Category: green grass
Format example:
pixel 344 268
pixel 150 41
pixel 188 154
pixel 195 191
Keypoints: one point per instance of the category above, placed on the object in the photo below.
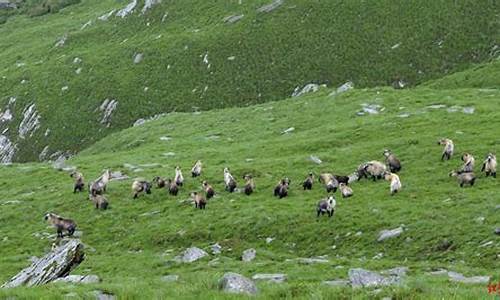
pixel 131 252
pixel 372 43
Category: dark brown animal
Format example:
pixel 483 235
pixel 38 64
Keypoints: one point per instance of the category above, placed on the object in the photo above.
pixel 209 191
pixel 172 187
pixel 160 182
pixel 249 185
pixel 199 200
pixel 61 224
pixel 79 181
pixel 308 182
pixel 281 190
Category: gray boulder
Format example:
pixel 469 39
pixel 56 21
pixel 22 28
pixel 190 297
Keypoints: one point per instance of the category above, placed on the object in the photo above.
pixel 270 7
pixel 457 277
pixel 248 255
pixel 276 278
pixel 233 19
pixel 365 278
pixel 85 279
pixel 191 255
pixel 388 234
pixel 237 284
pixel 170 278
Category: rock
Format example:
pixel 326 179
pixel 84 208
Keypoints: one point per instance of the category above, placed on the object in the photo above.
pixel 457 277
pixel 237 284
pixel 309 88
pixel 165 138
pixel 343 88
pixel 106 16
pixel 248 255
pixel 313 260
pixel 497 230
pixel 371 109
pixel 7 150
pixel 288 130
pixel 89 23
pixel 139 122
pixel 56 264
pixel 315 159
pixel 77 60
pixel 398 271
pixel 149 214
pixel 64 88
pixel 388 234
pixel 497 207
pixel 170 278
pixel 269 240
pixel 216 248
pixel 30 122
pixel 190 255
pixel 100 295
pixel 270 7
pixel 61 41
pixel 6 116
pixel 127 10
pixel 365 278
pixel 232 19
pixel 138 57
pixel 438 272
pixel 118 175
pixel 468 110
pixel 85 279
pixel 338 282
pixel 148 4
pixel 107 108
pixel 276 278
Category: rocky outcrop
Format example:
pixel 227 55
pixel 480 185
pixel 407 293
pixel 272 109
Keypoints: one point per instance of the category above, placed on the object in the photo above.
pixel 191 255
pixel 237 284
pixel 389 234
pixel 30 122
pixel 7 150
pixel 148 4
pixel 366 278
pixel 270 7
pixel 127 10
pixel 83 279
pixel 107 108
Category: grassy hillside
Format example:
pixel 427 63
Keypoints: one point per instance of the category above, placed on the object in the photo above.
pixel 131 245
pixel 193 60
pixel 486 76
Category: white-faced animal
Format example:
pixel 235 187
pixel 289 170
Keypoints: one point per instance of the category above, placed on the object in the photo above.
pixel 140 186
pixel 327 206
pixel 308 182
pixel 392 161
pixel 61 224
pixel 229 181
pixel 345 190
pixel 395 185
pixel 172 187
pixel 249 184
pixel 160 182
pixel 100 201
pixel 196 170
pixel 448 149
pixel 281 189
pixel 209 191
pixel 464 178
pixel 199 200
pixel 490 165
pixel 373 169
pixel 79 181
pixel 98 187
pixel 179 179
pixel 469 163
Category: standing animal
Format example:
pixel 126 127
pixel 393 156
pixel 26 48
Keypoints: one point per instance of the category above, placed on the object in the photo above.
pixel 469 163
pixel 139 186
pixel 179 179
pixel 281 190
pixel 330 182
pixel 98 187
pixel 79 181
pixel 490 165
pixel 395 182
pixel 373 169
pixel 209 191
pixel 342 179
pixel 172 187
pixel 345 190
pixel 464 178
pixel 61 224
pixel 196 170
pixel 199 200
pixel 308 182
pixel 327 205
pixel 249 185
pixel 160 182
pixel 229 181
pixel 392 161
pixel 100 201
pixel 449 147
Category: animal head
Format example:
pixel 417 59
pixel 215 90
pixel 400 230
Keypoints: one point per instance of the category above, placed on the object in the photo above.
pixel 194 194
pixel 491 156
pixel 72 174
pixel 247 177
pixel 453 173
pixel 147 187
pixel 177 169
pixel 311 174
pixel 226 170
pixel 49 216
pixel 286 181
pixel 204 183
pixel 442 141
pixel 342 185
pixel 387 152
pixel 331 200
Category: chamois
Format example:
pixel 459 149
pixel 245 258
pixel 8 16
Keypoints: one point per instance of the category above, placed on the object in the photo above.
pixel 281 190
pixel 208 190
pixel 345 190
pixel 98 187
pixel 79 181
pixel 160 182
pixel 469 162
pixel 249 185
pixel 229 181
pixel 395 182
pixel 374 169
pixel 179 179
pixel 330 182
pixel 392 161
pixel 449 147
pixel 199 200
pixel 464 178
pixel 196 170
pixel 172 187
pixel 490 165
pixel 326 205
pixel 100 201
pixel 308 182
pixel 139 186
pixel 61 224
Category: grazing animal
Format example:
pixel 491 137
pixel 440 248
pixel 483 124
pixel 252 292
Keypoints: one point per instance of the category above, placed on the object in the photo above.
pixel 79 181
pixel 490 165
pixel 395 182
pixel 139 186
pixel 249 185
pixel 100 201
pixel 330 182
pixel 160 182
pixel 345 190
pixel 229 181
pixel 373 169
pixel 464 178
pixel 179 179
pixel 209 191
pixel 199 200
pixel 469 163
pixel 98 187
pixel 172 187
pixel 327 205
pixel 449 147
pixel 392 161
pixel 308 182
pixel 61 224
pixel 281 190
pixel 196 170
pixel 342 179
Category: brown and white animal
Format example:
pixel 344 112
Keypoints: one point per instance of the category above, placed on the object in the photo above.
pixel 464 178
pixel 469 163
pixel 99 201
pixel 449 147
pixel 249 184
pixel 229 181
pixel 61 224
pixel 345 190
pixel 196 170
pixel 490 165
pixel 199 200
pixel 308 182
pixel 209 191
pixel 172 187
pixel 139 186
pixel 281 190
pixel 179 179
pixel 327 205
pixel 373 169
pixel 98 187
pixel 160 182
pixel 395 182
pixel 330 182
pixel 392 161
pixel 79 181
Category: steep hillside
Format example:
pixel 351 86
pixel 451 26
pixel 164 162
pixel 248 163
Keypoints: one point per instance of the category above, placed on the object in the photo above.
pixel 131 246
pixel 58 70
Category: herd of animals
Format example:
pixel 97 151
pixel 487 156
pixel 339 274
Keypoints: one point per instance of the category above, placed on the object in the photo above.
pixel 372 169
